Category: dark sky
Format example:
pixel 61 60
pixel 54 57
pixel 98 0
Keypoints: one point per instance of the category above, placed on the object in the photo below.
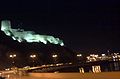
pixel 82 24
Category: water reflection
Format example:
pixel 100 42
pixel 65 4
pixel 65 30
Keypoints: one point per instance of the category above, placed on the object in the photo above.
pixel 96 69
pixel 102 67
pixel 109 66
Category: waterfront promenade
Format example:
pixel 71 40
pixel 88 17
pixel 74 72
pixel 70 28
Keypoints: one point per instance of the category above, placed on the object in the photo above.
pixel 102 75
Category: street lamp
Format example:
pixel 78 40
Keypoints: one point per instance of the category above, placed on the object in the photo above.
pixel 79 55
pixel 54 56
pixel 79 58
pixel 33 58
pixel 12 56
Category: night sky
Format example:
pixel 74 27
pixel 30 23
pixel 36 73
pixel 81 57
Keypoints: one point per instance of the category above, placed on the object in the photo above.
pixel 82 24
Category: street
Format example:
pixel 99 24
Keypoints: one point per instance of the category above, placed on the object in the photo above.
pixel 102 75
pixel 12 76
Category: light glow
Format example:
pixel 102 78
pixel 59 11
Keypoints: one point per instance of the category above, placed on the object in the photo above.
pixel 54 56
pixel 12 55
pixel 79 55
pixel 32 56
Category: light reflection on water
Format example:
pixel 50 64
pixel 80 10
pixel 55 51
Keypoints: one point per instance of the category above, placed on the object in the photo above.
pixel 102 67
pixel 112 66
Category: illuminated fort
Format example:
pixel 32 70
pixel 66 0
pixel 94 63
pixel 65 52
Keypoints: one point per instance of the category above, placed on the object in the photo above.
pixel 28 36
pixel 23 43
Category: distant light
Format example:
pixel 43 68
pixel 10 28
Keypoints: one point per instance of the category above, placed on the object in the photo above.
pixel 113 56
pixel 91 54
pixel 96 56
pixel 52 65
pixel 70 63
pixel 54 56
pixel 32 56
pixel 103 55
pixel 88 57
pixel 7 69
pixel 114 60
pixel 79 55
pixel 12 55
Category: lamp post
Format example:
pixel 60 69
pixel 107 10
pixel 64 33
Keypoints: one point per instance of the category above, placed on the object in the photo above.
pixel 12 56
pixel 79 58
pixel 55 56
pixel 79 55
pixel 33 58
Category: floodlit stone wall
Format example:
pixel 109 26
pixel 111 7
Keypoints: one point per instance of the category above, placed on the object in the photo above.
pixel 29 36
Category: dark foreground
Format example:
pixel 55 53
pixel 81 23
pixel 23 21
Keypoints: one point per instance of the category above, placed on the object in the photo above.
pixel 101 75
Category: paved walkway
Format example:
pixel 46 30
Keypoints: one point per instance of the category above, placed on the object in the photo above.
pixel 103 75
pixel 11 76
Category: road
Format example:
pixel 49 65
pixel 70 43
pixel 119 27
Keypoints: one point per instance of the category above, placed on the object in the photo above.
pixel 103 75
pixel 12 76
